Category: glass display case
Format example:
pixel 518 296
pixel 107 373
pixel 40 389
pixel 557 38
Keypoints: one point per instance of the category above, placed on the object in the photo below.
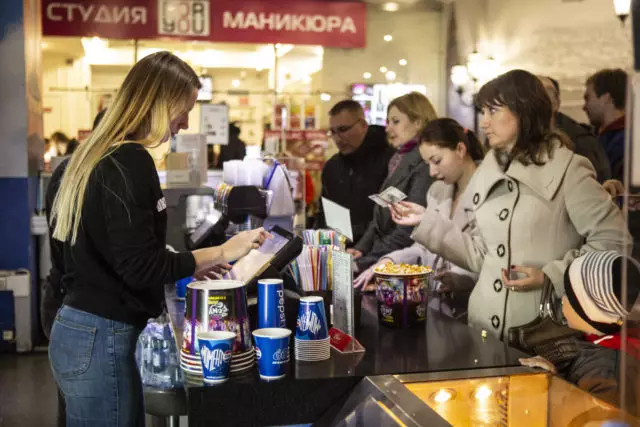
pixel 492 397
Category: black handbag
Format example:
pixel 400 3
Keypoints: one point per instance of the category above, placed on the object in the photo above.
pixel 545 335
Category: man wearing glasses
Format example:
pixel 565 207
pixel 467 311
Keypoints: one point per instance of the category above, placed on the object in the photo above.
pixel 360 167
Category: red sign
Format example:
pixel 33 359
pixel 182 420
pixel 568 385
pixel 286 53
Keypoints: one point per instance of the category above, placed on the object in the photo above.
pixel 335 24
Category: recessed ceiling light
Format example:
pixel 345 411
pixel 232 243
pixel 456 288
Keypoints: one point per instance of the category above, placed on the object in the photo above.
pixel 388 37
pixel 235 82
pixel 383 69
pixel 325 97
pixel 483 393
pixel 402 62
pixel 390 6
pixel 366 75
pixel 390 75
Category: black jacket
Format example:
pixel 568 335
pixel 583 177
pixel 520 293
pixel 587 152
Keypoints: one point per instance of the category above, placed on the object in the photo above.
pixel 349 180
pixel 235 150
pixel 586 145
pixel 383 235
pixel 119 264
pixel 52 291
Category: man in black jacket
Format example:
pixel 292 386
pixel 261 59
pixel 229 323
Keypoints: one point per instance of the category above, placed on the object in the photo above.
pixel 585 142
pixel 359 169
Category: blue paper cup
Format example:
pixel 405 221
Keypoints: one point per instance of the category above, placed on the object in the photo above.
pixel 216 348
pixel 271 304
pixel 181 287
pixel 312 321
pixel 272 352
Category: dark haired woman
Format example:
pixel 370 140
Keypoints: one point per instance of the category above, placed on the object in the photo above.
pixel 452 154
pixel 537 206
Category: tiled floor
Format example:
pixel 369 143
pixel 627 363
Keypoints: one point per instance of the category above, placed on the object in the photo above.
pixel 27 391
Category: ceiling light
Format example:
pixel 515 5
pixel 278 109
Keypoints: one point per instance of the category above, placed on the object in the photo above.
pixel 94 44
pixel 443 395
pixel 235 82
pixel 622 8
pixel 325 97
pixel 402 62
pixel 388 37
pixel 306 79
pixel 483 393
pixel 243 74
pixel 383 69
pixel 366 75
pixel 390 6
pixel 459 75
pixel 390 75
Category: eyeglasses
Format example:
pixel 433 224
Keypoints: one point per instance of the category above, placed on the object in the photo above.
pixel 341 129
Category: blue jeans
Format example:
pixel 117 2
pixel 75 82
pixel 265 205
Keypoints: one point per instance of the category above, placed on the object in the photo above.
pixel 93 362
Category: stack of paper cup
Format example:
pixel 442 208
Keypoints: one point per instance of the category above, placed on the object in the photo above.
pixel 312 333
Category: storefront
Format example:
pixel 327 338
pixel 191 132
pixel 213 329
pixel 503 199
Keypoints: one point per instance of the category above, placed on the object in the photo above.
pixel 275 64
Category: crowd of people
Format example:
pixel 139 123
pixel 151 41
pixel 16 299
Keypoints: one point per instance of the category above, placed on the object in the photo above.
pixel 533 211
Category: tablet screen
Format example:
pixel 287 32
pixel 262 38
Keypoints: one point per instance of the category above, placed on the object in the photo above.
pixel 257 259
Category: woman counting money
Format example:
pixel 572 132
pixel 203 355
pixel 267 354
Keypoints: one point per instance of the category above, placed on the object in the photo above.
pixel 111 216
pixel 537 206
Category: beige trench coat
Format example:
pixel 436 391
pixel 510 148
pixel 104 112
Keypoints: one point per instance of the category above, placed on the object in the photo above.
pixel 537 216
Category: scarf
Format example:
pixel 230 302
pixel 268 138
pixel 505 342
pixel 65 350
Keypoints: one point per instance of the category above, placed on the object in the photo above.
pixel 399 155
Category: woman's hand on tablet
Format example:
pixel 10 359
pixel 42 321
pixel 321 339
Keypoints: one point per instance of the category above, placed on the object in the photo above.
pixel 240 244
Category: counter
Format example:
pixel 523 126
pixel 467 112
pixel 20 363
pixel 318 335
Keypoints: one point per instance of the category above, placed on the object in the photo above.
pixel 311 389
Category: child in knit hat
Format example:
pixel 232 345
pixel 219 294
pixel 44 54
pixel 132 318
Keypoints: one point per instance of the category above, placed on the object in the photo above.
pixel 594 304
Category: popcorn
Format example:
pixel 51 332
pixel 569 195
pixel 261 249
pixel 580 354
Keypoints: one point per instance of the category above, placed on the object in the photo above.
pixel 402 269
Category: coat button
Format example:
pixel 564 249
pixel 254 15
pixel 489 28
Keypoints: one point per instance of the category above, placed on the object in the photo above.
pixel 497 285
pixel 504 214
pixel 495 321
pixel 476 198
pixel 501 250
pixel 510 185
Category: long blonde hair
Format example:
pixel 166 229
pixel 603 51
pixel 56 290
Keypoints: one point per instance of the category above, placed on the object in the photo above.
pixel 417 107
pixel 155 91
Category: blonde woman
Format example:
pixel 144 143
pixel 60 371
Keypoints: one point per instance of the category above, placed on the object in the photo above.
pixel 110 215
pixel 407 116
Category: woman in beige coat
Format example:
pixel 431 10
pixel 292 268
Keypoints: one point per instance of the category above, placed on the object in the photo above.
pixel 538 206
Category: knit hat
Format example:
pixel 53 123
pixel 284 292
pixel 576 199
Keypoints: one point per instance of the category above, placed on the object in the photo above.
pixel 593 286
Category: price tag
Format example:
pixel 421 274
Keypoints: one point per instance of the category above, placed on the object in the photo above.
pixel 343 332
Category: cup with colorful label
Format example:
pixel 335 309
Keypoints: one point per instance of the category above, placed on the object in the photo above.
pixel 216 348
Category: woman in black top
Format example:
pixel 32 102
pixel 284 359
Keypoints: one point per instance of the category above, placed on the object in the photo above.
pixel 110 215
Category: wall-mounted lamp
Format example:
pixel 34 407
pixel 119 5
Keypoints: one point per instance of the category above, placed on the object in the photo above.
pixel 478 70
pixel 622 8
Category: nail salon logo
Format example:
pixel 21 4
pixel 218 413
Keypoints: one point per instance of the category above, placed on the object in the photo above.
pixel 214 359
pixel 258 354
pixel 309 322
pixel 386 311
pixel 281 355
pixel 218 310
